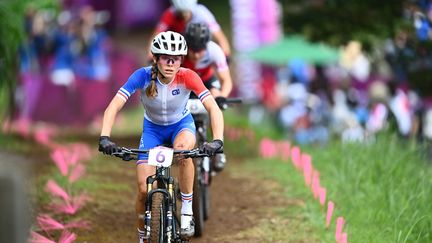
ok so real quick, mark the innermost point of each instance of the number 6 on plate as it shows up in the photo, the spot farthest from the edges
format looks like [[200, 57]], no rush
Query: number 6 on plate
[[160, 156]]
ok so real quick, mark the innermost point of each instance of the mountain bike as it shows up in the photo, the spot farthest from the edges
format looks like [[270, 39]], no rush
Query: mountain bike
[[161, 219], [203, 165]]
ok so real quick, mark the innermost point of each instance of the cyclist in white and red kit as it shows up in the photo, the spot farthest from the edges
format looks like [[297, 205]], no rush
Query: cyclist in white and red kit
[[182, 12], [207, 59]]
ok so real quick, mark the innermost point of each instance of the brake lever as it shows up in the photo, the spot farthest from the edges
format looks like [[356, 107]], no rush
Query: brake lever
[[125, 154]]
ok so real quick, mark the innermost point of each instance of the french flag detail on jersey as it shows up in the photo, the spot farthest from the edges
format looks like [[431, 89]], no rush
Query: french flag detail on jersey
[[204, 95], [124, 94]]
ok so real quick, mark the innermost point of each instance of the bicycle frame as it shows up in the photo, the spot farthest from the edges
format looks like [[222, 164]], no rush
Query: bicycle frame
[[166, 227], [203, 167], [165, 187]]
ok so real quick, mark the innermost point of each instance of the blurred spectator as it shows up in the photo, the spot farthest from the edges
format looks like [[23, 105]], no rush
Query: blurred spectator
[[400, 52], [60, 53], [93, 63], [355, 61]]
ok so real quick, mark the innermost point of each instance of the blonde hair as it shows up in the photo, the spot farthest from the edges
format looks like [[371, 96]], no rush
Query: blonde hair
[[151, 90]]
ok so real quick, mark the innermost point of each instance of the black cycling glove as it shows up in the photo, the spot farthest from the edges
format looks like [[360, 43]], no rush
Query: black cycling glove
[[106, 146], [212, 147], [221, 102]]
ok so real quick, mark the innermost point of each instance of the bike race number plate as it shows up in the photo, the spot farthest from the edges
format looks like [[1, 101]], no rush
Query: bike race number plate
[[161, 156]]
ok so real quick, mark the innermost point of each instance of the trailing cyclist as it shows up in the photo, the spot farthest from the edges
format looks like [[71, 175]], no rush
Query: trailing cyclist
[[182, 12], [208, 60], [165, 89]]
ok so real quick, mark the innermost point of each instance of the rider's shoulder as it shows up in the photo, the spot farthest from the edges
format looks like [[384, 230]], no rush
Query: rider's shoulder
[[211, 45], [142, 72], [201, 7], [186, 73], [201, 10]]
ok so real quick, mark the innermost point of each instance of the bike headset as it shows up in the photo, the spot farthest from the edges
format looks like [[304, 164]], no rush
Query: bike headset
[[197, 36], [184, 5]]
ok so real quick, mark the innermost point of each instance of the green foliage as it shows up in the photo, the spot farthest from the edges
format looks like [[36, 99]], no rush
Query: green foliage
[[338, 22], [11, 32], [12, 35]]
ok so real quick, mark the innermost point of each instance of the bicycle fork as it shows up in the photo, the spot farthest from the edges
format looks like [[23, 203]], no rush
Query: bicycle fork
[[147, 214], [168, 200], [170, 227]]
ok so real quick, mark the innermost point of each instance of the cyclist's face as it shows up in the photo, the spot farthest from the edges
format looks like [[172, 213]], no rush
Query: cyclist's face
[[168, 65], [184, 14], [195, 55]]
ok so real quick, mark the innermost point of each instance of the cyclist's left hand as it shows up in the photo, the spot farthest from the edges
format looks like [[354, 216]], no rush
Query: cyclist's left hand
[[212, 147], [221, 101]]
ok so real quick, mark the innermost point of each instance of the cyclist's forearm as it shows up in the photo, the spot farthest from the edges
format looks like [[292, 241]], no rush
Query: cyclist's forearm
[[110, 115], [221, 39], [216, 121], [226, 83]]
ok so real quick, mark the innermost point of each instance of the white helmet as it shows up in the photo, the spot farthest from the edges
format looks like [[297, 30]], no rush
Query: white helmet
[[169, 43], [183, 5]]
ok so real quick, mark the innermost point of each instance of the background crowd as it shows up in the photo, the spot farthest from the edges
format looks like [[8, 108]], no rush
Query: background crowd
[[68, 60], [370, 88]]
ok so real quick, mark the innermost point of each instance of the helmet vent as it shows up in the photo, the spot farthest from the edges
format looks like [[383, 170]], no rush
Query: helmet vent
[[169, 43]]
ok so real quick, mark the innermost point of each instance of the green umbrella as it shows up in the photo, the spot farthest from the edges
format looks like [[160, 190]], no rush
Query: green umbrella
[[292, 48]]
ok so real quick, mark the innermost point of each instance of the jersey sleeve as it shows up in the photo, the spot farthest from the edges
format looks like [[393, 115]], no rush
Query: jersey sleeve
[[208, 17], [218, 56], [194, 83], [136, 81]]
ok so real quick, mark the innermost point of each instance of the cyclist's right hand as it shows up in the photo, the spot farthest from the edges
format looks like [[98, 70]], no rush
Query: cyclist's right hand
[[106, 146]]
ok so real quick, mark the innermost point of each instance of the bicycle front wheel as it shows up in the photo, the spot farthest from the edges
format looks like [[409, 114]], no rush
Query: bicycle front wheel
[[197, 202], [157, 219]]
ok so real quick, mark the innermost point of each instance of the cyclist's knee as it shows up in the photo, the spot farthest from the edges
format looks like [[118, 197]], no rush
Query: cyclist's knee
[[183, 145]]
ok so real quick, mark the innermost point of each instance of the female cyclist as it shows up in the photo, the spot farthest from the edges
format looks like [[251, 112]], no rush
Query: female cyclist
[[165, 88]]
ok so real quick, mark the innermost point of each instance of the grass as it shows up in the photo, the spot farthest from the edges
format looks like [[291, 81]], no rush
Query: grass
[[382, 189]]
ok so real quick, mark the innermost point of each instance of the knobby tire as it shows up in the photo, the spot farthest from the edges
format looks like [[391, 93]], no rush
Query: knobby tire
[[157, 219], [197, 203]]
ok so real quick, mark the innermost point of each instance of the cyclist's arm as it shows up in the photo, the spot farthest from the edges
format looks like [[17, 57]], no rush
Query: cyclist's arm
[[110, 114], [194, 83], [221, 39], [226, 82], [216, 117]]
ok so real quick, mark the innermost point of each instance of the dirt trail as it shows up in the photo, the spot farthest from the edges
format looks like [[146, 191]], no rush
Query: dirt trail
[[242, 206], [238, 202]]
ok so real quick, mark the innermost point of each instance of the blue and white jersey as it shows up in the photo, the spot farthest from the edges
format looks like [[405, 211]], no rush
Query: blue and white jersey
[[169, 105]]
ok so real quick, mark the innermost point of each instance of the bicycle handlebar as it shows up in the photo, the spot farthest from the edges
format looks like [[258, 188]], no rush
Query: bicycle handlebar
[[223, 102], [127, 154]]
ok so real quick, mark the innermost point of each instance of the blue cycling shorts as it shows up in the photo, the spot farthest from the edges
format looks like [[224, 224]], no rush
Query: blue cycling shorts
[[155, 135]]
